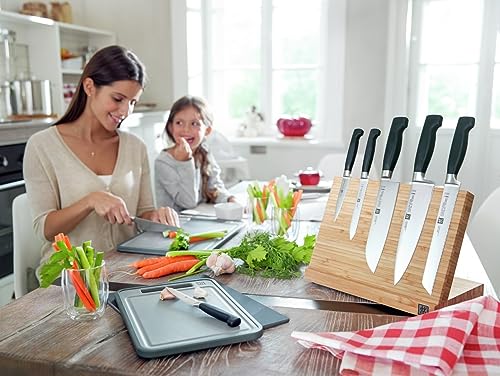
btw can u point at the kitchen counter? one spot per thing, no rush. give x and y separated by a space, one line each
19 131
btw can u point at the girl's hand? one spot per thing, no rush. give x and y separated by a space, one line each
164 215
111 207
182 151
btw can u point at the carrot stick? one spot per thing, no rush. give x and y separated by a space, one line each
81 293
78 282
165 261
176 267
296 199
195 239
147 261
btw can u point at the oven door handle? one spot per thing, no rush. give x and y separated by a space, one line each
14 184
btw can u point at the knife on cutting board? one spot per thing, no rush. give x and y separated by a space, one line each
209 309
419 198
349 163
448 199
387 194
363 181
147 225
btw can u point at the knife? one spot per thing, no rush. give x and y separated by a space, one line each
363 182
386 196
349 162
448 199
209 309
144 225
419 198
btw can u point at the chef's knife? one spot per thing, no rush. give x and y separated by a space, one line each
448 199
349 162
363 182
419 198
386 196
209 309
144 225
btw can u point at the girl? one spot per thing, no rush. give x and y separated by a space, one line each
186 174
84 177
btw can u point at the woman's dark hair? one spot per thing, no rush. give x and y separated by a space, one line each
108 65
200 155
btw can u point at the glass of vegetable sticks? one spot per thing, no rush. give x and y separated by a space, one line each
286 222
258 200
85 292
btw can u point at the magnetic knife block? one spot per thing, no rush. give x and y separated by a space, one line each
340 263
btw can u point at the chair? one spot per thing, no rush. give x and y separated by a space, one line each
332 165
484 233
26 245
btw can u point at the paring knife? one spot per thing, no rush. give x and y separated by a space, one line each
386 196
349 162
363 182
448 199
209 309
147 225
419 198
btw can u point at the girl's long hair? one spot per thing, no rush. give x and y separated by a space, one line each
108 65
200 155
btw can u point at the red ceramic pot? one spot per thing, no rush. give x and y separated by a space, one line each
294 127
309 177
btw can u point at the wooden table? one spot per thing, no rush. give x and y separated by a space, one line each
38 338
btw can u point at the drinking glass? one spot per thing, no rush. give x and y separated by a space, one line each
257 210
85 292
285 222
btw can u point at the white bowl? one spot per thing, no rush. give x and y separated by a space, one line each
229 211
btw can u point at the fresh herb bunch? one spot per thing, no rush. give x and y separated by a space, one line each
181 241
272 257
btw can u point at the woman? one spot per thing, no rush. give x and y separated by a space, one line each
84 177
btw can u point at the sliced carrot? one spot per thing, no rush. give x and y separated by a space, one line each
89 304
78 281
67 242
296 199
195 239
166 261
260 211
172 234
55 246
176 267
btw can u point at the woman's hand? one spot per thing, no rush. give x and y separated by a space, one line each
163 215
182 151
111 207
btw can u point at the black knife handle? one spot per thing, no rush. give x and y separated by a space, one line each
394 143
426 143
459 144
370 149
219 314
353 149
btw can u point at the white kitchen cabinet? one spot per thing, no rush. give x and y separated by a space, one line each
44 39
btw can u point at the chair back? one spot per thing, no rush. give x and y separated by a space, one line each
27 247
484 233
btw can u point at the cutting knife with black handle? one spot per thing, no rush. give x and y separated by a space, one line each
147 225
349 163
448 199
209 309
363 181
419 198
387 194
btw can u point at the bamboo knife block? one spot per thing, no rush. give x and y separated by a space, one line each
340 263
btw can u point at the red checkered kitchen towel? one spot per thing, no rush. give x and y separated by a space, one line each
463 339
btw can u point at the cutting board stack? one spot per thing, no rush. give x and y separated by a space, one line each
344 256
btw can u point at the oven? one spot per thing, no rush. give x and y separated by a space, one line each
11 185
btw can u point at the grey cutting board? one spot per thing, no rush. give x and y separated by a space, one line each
159 328
153 243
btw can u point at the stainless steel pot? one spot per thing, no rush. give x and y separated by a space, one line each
31 97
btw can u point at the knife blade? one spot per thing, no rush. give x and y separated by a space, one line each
387 194
144 225
349 162
419 198
209 309
448 199
363 181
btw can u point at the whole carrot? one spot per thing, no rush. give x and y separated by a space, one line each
147 261
176 267
165 261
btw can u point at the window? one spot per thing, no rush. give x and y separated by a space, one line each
454 67
263 53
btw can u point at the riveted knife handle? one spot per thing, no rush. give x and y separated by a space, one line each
394 143
426 143
459 144
370 150
220 314
353 148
